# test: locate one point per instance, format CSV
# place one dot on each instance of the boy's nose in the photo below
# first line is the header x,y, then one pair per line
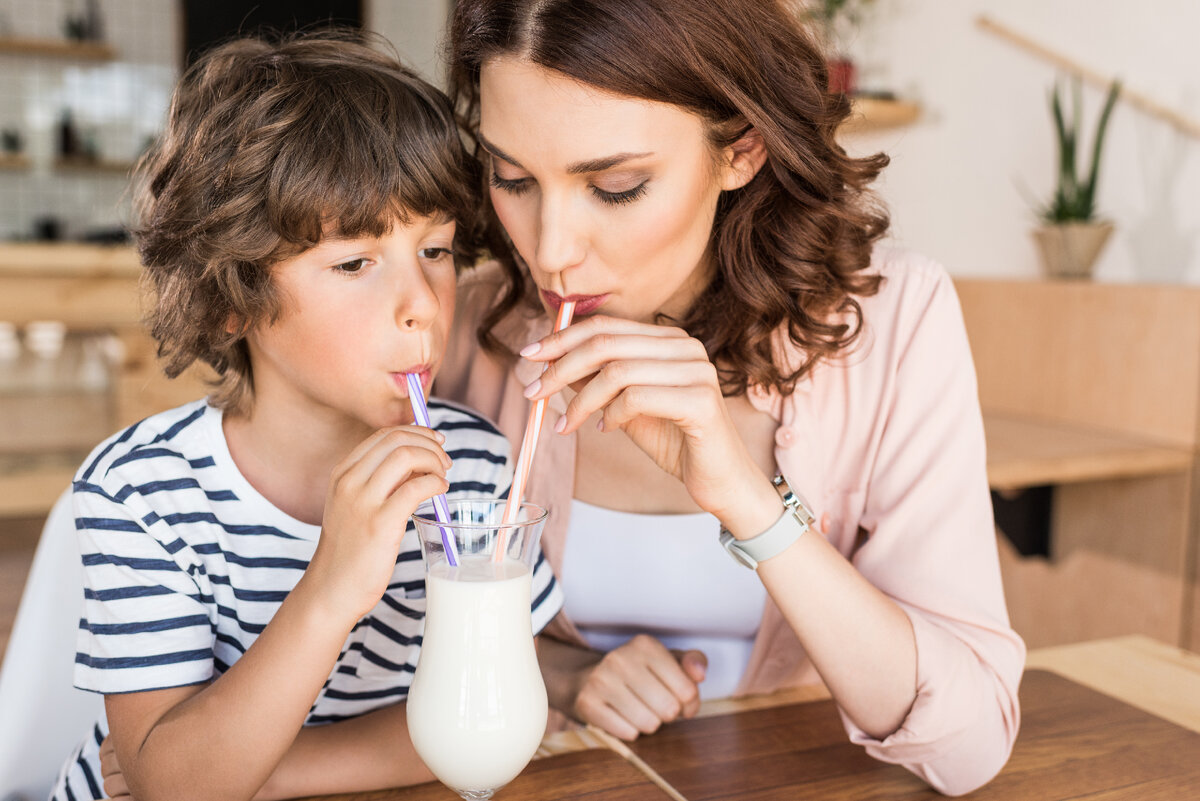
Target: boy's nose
x,y
417,304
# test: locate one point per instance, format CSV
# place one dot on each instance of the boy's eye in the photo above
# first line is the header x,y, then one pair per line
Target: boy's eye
x,y
433,254
620,198
352,266
513,186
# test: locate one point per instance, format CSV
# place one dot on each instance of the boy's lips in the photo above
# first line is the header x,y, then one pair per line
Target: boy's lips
x,y
423,371
584,304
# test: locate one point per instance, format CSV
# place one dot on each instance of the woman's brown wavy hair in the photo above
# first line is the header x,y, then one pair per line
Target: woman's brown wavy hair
x,y
791,245
269,145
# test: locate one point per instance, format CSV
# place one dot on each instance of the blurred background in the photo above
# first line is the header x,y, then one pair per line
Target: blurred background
x,y
1087,349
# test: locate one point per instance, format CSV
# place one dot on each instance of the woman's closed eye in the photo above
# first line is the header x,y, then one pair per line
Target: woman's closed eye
x,y
622,197
514,186
518,186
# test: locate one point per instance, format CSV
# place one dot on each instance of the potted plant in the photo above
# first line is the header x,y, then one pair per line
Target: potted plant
x,y
1071,237
837,20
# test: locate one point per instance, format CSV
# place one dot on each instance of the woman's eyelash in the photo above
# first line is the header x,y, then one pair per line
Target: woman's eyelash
x,y
514,186
517,186
435,253
620,198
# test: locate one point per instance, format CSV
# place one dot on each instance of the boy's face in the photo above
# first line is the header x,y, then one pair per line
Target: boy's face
x,y
357,315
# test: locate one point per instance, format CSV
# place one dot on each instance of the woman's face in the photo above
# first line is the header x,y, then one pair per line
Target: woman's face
x,y
608,199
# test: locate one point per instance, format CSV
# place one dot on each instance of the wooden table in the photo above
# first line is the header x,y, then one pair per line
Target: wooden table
x,y
1117,719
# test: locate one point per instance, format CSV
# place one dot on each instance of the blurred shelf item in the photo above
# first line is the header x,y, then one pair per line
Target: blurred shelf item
x,y
60,48
45,431
872,114
13,161
79,164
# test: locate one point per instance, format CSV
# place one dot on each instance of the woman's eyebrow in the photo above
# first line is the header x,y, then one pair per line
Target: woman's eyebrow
x,y
578,168
497,152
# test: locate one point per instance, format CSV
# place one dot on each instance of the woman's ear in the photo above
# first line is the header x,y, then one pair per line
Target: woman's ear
x,y
743,159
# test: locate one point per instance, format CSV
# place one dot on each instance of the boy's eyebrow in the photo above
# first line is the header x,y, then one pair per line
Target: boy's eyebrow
x,y
578,168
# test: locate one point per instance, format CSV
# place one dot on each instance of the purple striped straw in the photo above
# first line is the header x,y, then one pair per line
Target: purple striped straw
x,y
416,396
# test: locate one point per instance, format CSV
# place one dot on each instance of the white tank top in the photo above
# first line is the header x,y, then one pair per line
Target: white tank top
x,y
666,575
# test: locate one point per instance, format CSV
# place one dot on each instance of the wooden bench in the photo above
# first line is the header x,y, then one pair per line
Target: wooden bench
x,y
1094,389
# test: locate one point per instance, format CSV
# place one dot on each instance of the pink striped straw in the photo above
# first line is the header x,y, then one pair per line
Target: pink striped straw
x,y
533,429
416,397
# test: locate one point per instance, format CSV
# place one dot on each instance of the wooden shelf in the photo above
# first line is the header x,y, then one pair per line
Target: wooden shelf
x,y
88,165
10,161
1028,453
872,114
59,48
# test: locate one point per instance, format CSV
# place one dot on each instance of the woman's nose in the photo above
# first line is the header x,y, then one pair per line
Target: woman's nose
x,y
561,240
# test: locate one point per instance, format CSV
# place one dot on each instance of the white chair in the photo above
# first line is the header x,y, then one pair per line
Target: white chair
x,y
42,716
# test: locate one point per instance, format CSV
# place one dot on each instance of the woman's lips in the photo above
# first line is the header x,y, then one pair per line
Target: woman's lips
x,y
584,304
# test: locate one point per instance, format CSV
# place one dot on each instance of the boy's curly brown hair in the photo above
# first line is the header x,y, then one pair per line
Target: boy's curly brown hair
x,y
269,145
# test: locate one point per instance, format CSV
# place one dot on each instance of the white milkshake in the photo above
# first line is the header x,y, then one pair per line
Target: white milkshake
x,y
477,705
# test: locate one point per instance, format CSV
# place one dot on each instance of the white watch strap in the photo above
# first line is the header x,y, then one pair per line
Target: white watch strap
x,y
772,542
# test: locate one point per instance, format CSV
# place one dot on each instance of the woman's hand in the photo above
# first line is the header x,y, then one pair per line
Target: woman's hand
x,y
631,690
657,385
110,770
372,493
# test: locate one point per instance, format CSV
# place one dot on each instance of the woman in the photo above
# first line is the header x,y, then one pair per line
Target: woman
x,y
675,172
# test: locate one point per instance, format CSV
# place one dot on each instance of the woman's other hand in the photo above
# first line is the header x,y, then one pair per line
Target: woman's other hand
x,y
631,690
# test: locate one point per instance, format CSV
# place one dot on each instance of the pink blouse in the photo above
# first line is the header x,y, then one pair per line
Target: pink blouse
x,y
887,445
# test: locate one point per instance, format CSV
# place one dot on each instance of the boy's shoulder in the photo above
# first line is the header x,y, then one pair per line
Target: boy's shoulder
x,y
465,427
167,438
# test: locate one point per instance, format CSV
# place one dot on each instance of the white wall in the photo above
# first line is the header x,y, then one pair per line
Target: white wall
x,y
416,28
961,178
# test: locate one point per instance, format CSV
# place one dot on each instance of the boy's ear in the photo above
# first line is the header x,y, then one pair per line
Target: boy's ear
x,y
743,159
236,326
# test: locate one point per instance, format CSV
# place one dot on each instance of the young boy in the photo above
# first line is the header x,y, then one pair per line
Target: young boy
x,y
248,574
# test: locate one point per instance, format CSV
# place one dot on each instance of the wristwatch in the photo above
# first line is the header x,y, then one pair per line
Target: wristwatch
x,y
796,519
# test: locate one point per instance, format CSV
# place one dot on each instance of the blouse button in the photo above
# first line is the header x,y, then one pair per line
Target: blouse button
x,y
785,436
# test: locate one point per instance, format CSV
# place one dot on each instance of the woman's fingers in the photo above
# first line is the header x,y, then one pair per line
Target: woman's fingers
x,y
636,688
554,345
647,377
604,349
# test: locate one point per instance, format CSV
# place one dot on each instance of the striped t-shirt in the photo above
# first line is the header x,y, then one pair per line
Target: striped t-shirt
x,y
186,563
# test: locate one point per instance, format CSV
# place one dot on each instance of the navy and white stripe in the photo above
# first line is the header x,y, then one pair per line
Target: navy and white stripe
x,y
186,564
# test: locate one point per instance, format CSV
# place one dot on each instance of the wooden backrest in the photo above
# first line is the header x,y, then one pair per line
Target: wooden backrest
x,y
1116,357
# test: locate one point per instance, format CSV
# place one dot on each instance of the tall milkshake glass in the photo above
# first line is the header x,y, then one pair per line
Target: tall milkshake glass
x,y
477,704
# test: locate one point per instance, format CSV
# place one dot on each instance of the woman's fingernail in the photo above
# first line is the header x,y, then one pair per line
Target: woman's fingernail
x,y
600,424
533,388
560,425
529,350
